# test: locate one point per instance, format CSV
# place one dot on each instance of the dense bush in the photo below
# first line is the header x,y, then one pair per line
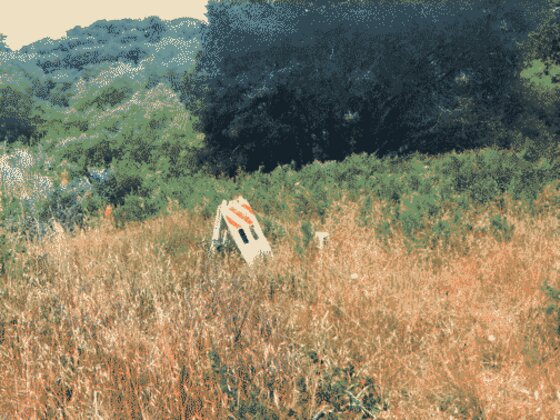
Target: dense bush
x,y
339,391
284,81
3,46
115,138
553,295
124,141
427,198
124,40
18,120
545,43
148,51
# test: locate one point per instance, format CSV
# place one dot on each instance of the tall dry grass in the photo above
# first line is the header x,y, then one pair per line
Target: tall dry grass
x,y
143,322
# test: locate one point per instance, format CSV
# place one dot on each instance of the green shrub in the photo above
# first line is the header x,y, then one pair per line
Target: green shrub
x,y
553,295
501,229
347,393
138,208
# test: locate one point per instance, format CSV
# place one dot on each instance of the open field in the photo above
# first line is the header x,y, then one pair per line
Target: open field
x,y
143,322
423,136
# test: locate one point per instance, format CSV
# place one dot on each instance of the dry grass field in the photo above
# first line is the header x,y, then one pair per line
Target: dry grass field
x,y
143,322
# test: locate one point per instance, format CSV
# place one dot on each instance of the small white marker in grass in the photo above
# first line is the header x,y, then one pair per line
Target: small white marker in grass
x,y
321,238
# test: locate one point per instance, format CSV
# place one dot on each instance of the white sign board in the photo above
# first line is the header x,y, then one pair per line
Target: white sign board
x,y
243,227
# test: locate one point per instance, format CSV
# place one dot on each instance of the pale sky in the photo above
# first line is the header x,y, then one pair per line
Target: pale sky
x,y
26,21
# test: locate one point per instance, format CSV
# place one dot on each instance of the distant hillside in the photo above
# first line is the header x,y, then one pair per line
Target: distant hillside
x,y
88,96
151,51
127,40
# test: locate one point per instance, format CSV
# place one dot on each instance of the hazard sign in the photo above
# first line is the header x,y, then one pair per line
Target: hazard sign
x,y
243,228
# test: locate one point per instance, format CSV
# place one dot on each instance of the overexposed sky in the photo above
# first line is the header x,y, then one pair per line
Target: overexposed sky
x,y
26,21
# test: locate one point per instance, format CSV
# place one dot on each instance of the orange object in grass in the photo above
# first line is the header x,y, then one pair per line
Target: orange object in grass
x,y
108,211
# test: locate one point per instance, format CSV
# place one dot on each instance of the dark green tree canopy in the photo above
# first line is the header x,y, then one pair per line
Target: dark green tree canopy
x,y
296,81
16,115
545,43
3,46
125,40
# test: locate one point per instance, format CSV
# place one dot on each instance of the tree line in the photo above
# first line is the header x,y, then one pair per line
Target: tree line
x,y
294,81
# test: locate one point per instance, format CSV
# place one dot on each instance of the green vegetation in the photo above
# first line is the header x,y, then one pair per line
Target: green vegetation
x,y
430,142
544,77
101,116
316,82
553,295
115,131
430,198
3,46
17,121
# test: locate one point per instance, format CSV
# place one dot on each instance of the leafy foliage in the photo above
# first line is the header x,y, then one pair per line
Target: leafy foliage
x,y
339,391
3,46
17,119
148,51
553,295
545,43
105,41
123,142
116,132
289,81
426,198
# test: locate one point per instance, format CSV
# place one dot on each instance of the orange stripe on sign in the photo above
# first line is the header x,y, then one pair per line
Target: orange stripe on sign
x,y
248,207
241,216
231,222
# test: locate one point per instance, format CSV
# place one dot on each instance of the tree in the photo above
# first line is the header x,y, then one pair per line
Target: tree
x,y
3,46
296,81
543,74
545,42
16,115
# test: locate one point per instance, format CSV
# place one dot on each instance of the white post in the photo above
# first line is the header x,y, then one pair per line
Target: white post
x,y
216,231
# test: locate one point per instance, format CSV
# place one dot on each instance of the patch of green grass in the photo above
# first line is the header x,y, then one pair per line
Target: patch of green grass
x,y
542,76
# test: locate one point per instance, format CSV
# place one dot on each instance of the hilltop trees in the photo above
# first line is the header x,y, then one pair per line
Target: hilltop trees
x,y
3,46
545,43
17,120
543,75
127,41
279,82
